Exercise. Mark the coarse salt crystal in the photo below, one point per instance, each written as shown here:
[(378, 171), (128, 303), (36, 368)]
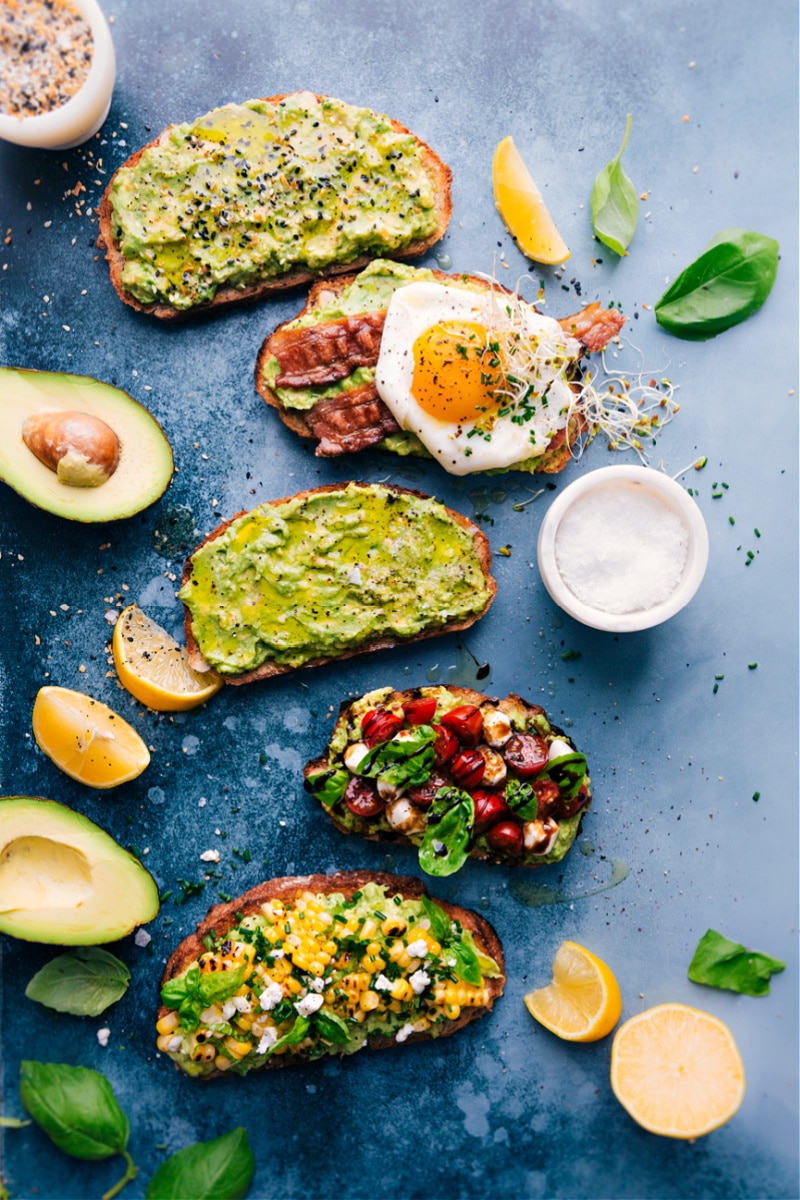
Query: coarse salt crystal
[(621, 549)]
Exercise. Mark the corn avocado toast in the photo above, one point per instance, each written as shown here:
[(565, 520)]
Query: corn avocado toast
[(305, 967), (456, 773)]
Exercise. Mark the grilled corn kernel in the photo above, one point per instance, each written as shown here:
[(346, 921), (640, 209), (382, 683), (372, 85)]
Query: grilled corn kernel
[(373, 963), (294, 985), (452, 1011), (168, 1023), (163, 1042), (330, 947), (237, 1049), (393, 926), (401, 990), (369, 928), (244, 1022), (222, 1063), (204, 1053), (369, 1001)]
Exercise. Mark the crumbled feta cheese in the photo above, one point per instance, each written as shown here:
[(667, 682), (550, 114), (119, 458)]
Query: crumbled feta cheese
[(276, 954), (419, 981), (403, 1033), (418, 949), (355, 574), (271, 996), (308, 1005), (425, 923), (174, 1044), (228, 1009), (103, 1035), (142, 938), (317, 985), (382, 984), (210, 856), (241, 1004), (268, 1040)]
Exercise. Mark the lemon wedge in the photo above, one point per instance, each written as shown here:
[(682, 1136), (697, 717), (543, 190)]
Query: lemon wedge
[(582, 1003), (87, 740), (154, 668), (522, 208), (677, 1071)]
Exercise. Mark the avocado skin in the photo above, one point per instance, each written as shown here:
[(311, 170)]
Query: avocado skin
[(83, 888), (145, 465)]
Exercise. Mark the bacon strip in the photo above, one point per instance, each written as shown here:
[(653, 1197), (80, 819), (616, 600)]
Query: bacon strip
[(327, 352), (593, 326), (350, 421)]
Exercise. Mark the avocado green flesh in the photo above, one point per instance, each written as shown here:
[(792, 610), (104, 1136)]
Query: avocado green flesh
[(371, 291), (321, 574), (251, 191), (145, 463), (64, 880)]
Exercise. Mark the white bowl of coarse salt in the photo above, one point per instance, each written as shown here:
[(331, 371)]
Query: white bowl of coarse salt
[(623, 548), (57, 71)]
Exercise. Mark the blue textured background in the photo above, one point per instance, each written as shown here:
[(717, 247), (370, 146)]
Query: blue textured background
[(504, 1108)]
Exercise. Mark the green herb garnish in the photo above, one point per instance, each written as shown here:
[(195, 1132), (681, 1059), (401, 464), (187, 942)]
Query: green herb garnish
[(615, 205), (720, 963)]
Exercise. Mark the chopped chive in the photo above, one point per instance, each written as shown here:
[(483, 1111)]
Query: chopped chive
[(701, 462), (757, 532), (731, 521), (719, 676), (570, 655), (752, 666), (716, 688), (756, 795)]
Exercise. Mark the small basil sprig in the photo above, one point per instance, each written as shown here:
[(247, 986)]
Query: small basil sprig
[(194, 991), (405, 763), (332, 1028), (221, 1169), (448, 828), (725, 285), (77, 1109), (84, 981), (295, 1035), (328, 786), (718, 962), (615, 205), (522, 799), (456, 951), (568, 773)]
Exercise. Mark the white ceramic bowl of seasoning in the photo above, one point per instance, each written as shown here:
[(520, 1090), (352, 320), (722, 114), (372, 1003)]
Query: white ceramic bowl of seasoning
[(80, 116), (623, 548)]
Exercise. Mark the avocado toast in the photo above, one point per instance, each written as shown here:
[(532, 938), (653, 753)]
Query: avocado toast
[(304, 967), (328, 573), (456, 773), (257, 197)]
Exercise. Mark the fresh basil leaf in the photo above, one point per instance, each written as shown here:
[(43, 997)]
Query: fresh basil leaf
[(194, 992), (332, 1028), (329, 786), (522, 799), (221, 1169), (568, 773), (84, 981), (218, 987), (440, 922), (718, 962), (725, 285), (76, 1108), (489, 968), (445, 845), (467, 966), (615, 204), (295, 1035), (282, 1011), (405, 763)]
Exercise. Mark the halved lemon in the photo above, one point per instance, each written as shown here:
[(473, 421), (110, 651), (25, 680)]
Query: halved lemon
[(522, 208), (87, 740), (154, 668), (582, 1002), (677, 1071)]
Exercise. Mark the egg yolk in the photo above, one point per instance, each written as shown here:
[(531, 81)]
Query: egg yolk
[(457, 371)]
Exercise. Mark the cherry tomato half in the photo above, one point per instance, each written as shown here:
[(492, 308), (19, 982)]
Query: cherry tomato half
[(425, 794), (420, 711), (467, 768), (379, 725), (526, 753), (506, 838), (361, 797), (445, 745), (466, 722), (574, 806), (490, 807), (547, 794)]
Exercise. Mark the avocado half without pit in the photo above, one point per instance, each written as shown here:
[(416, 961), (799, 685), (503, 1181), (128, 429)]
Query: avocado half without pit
[(79, 448), (64, 880)]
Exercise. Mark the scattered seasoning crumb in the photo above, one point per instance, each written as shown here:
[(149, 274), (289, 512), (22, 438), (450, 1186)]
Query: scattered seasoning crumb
[(45, 55), (103, 1035), (570, 655), (505, 551)]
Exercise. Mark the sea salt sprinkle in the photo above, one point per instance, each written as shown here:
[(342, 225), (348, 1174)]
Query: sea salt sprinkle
[(621, 549), (45, 55)]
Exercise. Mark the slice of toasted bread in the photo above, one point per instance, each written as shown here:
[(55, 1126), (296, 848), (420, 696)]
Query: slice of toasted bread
[(267, 669), (222, 918), (523, 715), (438, 172), (324, 292)]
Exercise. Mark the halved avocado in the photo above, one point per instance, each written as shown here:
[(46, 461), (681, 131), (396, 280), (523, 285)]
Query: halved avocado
[(50, 399), (65, 880)]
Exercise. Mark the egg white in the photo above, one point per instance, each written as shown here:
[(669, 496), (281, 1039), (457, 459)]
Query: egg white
[(418, 306)]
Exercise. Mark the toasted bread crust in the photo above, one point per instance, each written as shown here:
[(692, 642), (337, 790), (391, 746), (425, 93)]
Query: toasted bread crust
[(268, 669), (322, 293), (466, 696), (439, 172), (222, 917)]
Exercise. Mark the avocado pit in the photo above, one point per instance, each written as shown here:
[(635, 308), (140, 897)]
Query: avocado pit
[(79, 447)]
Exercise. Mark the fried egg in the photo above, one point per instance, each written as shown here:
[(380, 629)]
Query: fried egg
[(478, 376)]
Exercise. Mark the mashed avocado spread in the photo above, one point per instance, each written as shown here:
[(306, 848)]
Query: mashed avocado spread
[(251, 190), (323, 573)]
